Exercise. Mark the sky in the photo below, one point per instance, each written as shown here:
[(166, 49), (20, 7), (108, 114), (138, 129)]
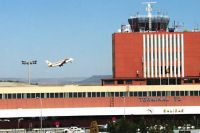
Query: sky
[(81, 29)]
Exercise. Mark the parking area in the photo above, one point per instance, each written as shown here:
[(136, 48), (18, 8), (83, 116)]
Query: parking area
[(47, 130)]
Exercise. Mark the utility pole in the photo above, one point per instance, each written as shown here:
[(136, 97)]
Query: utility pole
[(40, 113), (29, 63)]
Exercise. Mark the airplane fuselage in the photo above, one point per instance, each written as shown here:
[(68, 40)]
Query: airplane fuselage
[(59, 63)]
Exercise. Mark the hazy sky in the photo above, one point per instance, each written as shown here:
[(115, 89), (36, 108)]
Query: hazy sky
[(81, 29)]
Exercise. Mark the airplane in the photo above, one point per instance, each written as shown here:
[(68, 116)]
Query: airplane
[(59, 63)]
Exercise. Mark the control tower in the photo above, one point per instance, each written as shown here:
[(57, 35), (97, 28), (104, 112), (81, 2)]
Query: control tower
[(148, 52), (149, 22)]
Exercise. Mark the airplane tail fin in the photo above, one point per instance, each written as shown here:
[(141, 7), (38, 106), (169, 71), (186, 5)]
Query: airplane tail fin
[(69, 60)]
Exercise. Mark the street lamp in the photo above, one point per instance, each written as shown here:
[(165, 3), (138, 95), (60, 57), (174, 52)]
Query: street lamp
[(19, 122), (29, 63), (124, 106), (124, 99), (40, 113)]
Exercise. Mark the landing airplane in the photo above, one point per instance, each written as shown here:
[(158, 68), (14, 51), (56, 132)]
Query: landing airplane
[(59, 63)]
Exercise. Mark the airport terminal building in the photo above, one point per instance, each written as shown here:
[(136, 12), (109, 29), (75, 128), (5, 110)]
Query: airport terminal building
[(156, 72)]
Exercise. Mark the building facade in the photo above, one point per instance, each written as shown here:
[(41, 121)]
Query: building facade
[(156, 56)]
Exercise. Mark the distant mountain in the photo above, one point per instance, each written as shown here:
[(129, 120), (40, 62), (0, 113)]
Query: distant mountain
[(45, 81), (12, 80), (94, 80), (58, 81)]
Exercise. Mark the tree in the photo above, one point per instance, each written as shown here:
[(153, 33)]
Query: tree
[(122, 126), (94, 127)]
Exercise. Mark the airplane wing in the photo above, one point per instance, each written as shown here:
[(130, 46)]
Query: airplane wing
[(61, 64)]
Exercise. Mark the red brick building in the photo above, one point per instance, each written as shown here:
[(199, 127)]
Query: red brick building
[(151, 53)]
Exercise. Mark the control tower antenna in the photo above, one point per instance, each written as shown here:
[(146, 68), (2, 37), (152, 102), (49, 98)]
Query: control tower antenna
[(149, 12)]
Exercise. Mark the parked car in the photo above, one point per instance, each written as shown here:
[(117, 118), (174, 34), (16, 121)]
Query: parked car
[(79, 130), (49, 132), (74, 130), (67, 130)]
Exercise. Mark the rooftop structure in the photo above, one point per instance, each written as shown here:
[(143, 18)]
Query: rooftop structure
[(149, 22)]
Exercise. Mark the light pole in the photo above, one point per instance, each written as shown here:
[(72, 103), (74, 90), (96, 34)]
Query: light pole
[(29, 63), (124, 106), (40, 113), (19, 122), (124, 99)]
